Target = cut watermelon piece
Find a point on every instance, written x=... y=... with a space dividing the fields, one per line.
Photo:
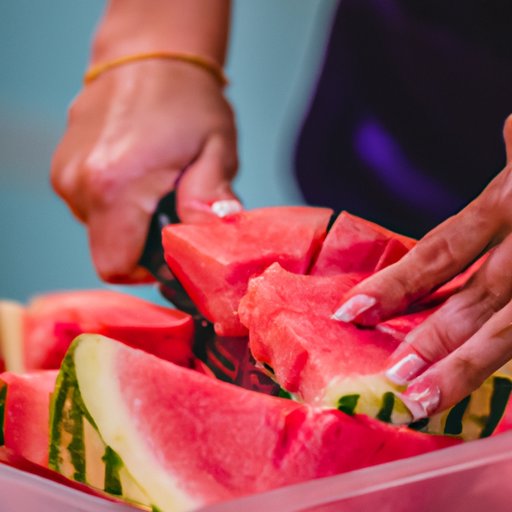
x=357 y=245
x=400 y=326
x=505 y=423
x=170 y=438
x=24 y=413
x=214 y=261
x=12 y=316
x=53 y=320
x=328 y=363
x=10 y=459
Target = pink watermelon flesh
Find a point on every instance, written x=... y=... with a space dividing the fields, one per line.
x=357 y=245
x=400 y=326
x=26 y=414
x=290 y=328
x=214 y=261
x=52 y=321
x=505 y=423
x=222 y=441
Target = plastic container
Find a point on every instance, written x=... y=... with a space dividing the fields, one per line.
x=474 y=477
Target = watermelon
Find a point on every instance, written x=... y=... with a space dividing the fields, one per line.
x=10 y=459
x=170 y=438
x=400 y=326
x=214 y=261
x=52 y=321
x=357 y=245
x=11 y=335
x=24 y=414
x=332 y=364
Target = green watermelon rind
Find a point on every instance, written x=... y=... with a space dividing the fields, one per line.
x=3 y=396
x=67 y=387
x=476 y=416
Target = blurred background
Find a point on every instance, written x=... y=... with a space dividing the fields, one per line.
x=275 y=54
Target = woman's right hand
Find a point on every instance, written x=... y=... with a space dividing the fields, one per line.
x=130 y=135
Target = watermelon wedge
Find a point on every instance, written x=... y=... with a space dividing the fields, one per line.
x=52 y=321
x=328 y=363
x=357 y=245
x=214 y=261
x=24 y=414
x=172 y=439
x=11 y=335
x=400 y=326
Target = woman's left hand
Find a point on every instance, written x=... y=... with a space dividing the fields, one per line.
x=470 y=336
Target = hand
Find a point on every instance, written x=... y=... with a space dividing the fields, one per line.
x=470 y=335
x=130 y=135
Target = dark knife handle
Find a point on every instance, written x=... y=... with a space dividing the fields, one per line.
x=153 y=255
x=164 y=214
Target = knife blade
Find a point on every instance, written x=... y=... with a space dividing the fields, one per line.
x=229 y=359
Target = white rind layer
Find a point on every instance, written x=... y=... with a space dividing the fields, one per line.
x=95 y=368
x=370 y=389
x=11 y=335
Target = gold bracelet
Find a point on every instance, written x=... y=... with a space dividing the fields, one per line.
x=202 y=62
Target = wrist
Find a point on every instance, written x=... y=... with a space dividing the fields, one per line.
x=195 y=27
x=205 y=65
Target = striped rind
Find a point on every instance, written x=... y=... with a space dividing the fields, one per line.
x=3 y=396
x=474 y=417
x=88 y=394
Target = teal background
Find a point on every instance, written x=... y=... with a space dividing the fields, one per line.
x=275 y=53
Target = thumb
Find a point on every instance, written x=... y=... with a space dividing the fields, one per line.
x=205 y=189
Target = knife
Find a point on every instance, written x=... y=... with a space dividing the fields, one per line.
x=153 y=259
x=229 y=359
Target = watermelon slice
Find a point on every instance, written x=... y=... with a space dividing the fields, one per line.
x=24 y=414
x=11 y=335
x=214 y=261
x=170 y=438
x=400 y=326
x=328 y=363
x=357 y=245
x=53 y=320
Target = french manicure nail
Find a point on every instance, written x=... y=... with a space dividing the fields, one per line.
x=421 y=398
x=354 y=307
x=406 y=369
x=226 y=207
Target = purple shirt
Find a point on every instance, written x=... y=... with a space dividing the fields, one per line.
x=406 y=124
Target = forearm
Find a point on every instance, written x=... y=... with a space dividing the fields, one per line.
x=190 y=26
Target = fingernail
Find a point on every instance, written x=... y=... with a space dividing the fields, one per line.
x=406 y=369
x=354 y=307
x=421 y=398
x=226 y=207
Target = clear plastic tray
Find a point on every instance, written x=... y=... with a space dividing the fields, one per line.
x=474 y=477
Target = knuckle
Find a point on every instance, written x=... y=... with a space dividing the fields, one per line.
x=55 y=180
x=493 y=298
x=103 y=178
x=505 y=185
x=75 y=110
x=433 y=257
x=63 y=176
x=470 y=369
x=441 y=339
x=102 y=181
x=460 y=317
x=507 y=127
